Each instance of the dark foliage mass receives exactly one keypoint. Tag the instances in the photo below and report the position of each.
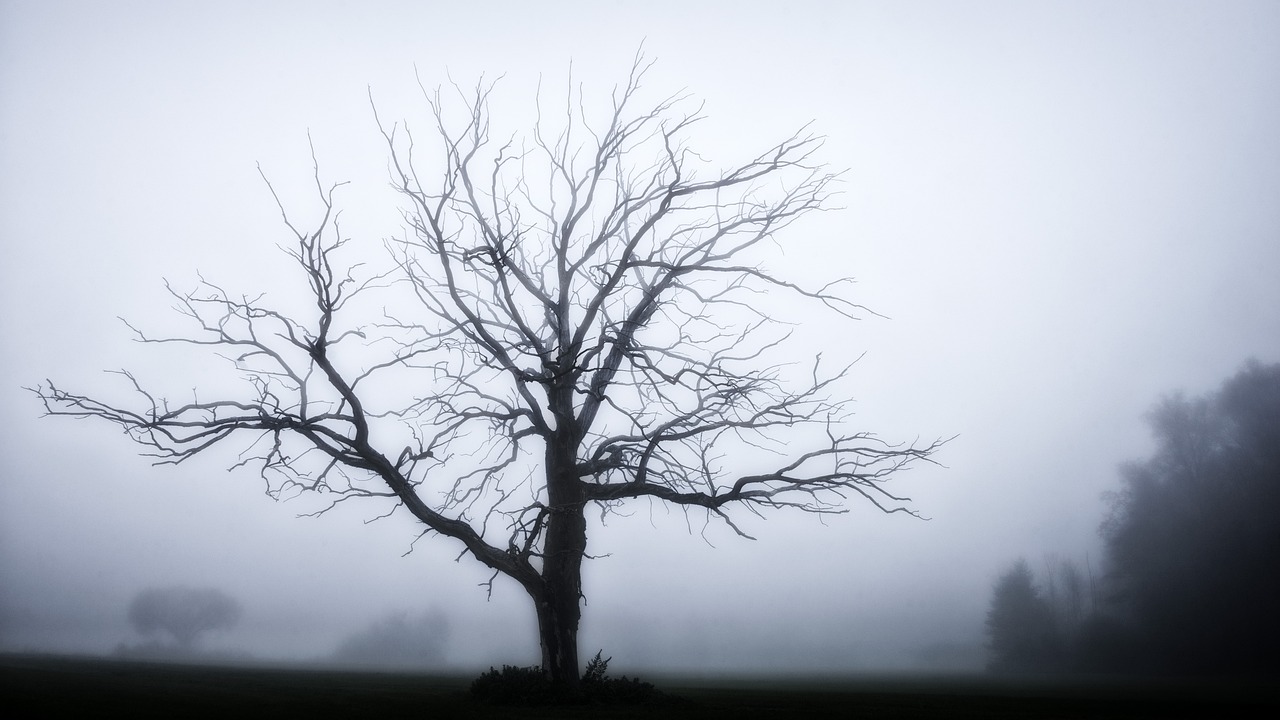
(1193, 538)
(1020, 623)
(530, 686)
(1193, 552)
(183, 614)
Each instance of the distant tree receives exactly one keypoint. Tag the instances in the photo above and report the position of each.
(1064, 588)
(1073, 590)
(1192, 538)
(399, 640)
(183, 614)
(1021, 635)
(571, 320)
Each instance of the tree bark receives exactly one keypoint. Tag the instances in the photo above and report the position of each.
(558, 614)
(559, 606)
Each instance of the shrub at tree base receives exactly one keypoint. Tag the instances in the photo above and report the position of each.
(531, 686)
(514, 686)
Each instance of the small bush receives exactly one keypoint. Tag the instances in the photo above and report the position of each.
(515, 686)
(619, 691)
(597, 669)
(597, 686)
(530, 686)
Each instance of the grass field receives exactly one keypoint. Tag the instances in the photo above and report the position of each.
(34, 686)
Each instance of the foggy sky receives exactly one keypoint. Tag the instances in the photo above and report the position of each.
(1064, 210)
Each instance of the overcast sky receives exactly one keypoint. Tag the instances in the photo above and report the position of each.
(1064, 209)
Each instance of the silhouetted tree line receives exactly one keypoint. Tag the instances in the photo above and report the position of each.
(1191, 579)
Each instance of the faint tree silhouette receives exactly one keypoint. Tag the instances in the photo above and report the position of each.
(1021, 635)
(182, 613)
(572, 320)
(399, 640)
(1073, 585)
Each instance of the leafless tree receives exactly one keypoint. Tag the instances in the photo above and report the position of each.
(572, 320)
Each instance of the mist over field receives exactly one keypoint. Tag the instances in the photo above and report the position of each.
(1056, 214)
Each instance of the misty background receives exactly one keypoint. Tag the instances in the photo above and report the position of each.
(1065, 211)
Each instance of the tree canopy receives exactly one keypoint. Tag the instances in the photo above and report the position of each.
(1192, 564)
(182, 613)
(1193, 540)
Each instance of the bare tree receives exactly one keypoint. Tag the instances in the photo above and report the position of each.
(569, 321)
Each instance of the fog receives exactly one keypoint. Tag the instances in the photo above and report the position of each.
(1062, 211)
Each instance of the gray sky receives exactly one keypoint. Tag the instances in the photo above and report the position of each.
(1066, 209)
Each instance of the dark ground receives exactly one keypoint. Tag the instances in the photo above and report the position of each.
(35, 686)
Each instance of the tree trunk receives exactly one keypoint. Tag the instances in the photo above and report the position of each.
(559, 607)
(559, 604)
